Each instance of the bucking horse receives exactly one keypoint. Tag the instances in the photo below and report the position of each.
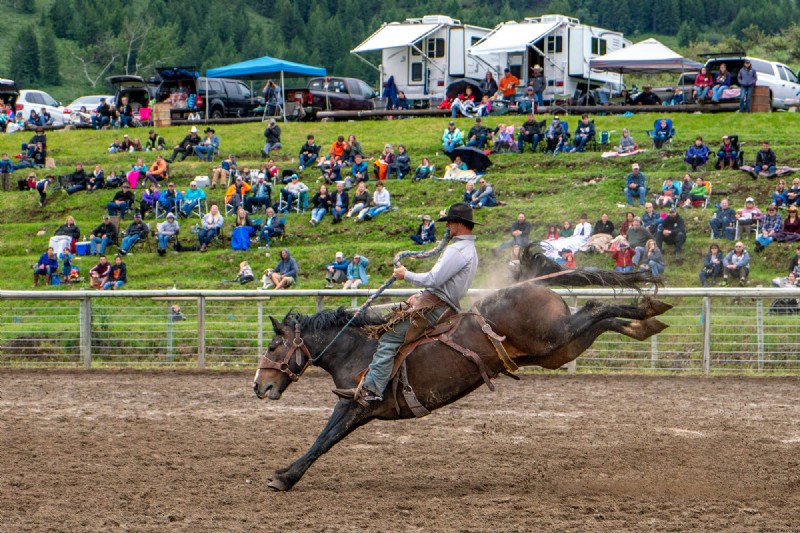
(524, 324)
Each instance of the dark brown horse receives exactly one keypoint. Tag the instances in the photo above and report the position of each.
(537, 324)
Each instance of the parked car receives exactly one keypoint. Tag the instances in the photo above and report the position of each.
(30, 99)
(89, 102)
(685, 82)
(138, 90)
(333, 94)
(9, 92)
(226, 97)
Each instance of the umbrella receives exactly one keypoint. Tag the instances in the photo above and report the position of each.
(472, 157)
(460, 86)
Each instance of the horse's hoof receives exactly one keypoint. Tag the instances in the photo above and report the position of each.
(277, 484)
(659, 307)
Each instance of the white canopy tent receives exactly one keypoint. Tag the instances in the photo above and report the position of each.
(513, 37)
(646, 57)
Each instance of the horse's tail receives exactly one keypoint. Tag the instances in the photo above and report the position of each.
(536, 266)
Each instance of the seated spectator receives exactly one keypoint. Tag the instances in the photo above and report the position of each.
(336, 271)
(452, 137)
(209, 146)
(626, 143)
(401, 164)
(245, 274)
(340, 203)
(136, 231)
(789, 282)
(136, 146)
(566, 258)
(766, 162)
(46, 266)
(155, 142)
(652, 259)
(77, 180)
(702, 84)
(625, 97)
(402, 102)
(295, 191)
(166, 231)
(793, 193)
(210, 227)
(647, 97)
(338, 147)
(794, 263)
(158, 171)
(353, 149)
(261, 195)
(790, 231)
(722, 81)
(272, 134)
(224, 171)
(469, 190)
(697, 154)
(426, 232)
(503, 139)
(234, 195)
(477, 135)
(484, 196)
(686, 187)
(651, 218)
(458, 170)
(527, 101)
(672, 230)
(273, 226)
(381, 165)
(193, 197)
(321, 203)
(737, 264)
(529, 133)
(138, 172)
(712, 265)
(554, 135)
(117, 275)
(488, 84)
(102, 115)
(186, 146)
(381, 201)
(331, 168)
(627, 223)
(96, 179)
(746, 216)
(285, 272)
(623, 257)
(727, 154)
(125, 112)
(170, 199)
(424, 170)
(677, 98)
(583, 229)
(552, 233)
(243, 230)
(126, 144)
(771, 224)
(102, 236)
(26, 184)
(583, 134)
(635, 185)
(361, 200)
(779, 195)
(604, 225)
(149, 199)
(698, 193)
(637, 237)
(724, 218)
(308, 153)
(566, 229)
(463, 104)
(71, 230)
(357, 272)
(359, 172)
(670, 193)
(99, 273)
(662, 134)
(115, 147)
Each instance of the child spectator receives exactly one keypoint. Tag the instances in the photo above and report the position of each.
(357, 272)
(712, 265)
(117, 276)
(245, 274)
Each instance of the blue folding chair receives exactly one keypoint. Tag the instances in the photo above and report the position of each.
(654, 134)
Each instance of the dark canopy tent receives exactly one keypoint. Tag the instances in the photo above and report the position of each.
(264, 68)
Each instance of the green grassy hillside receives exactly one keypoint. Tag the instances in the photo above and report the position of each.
(547, 189)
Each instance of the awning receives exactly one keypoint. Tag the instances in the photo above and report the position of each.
(513, 37)
(646, 57)
(395, 35)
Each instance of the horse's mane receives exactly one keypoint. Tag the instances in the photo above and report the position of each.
(331, 318)
(533, 263)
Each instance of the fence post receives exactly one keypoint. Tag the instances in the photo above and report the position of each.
(201, 332)
(170, 336)
(572, 366)
(320, 303)
(654, 351)
(706, 335)
(86, 332)
(260, 327)
(760, 331)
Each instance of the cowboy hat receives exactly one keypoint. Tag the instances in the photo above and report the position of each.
(460, 212)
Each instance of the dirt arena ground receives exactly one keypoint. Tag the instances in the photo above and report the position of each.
(190, 451)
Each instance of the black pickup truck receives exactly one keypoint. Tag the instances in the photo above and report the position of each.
(226, 97)
(331, 94)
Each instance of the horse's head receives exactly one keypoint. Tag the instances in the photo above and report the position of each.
(286, 359)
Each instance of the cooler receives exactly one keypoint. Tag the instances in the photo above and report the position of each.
(202, 181)
(82, 248)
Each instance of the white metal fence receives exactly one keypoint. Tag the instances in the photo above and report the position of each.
(711, 330)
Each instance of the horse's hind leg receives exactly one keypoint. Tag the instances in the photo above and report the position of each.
(346, 417)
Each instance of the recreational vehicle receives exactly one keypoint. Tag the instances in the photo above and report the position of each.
(425, 54)
(561, 45)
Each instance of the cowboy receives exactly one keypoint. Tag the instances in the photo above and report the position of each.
(445, 284)
(208, 146)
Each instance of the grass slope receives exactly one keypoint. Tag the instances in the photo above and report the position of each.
(547, 189)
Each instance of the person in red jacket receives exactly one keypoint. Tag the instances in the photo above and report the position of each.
(623, 258)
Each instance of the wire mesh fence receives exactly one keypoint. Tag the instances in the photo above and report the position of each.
(715, 330)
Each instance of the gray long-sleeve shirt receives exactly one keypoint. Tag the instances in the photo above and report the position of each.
(451, 276)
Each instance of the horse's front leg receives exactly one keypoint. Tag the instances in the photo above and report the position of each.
(347, 416)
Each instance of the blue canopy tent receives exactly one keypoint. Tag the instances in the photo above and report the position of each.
(264, 68)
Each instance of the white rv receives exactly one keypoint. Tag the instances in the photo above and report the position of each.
(425, 55)
(561, 45)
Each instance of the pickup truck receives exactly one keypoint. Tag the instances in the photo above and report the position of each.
(331, 94)
(226, 97)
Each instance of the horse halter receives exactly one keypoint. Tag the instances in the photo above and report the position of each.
(298, 345)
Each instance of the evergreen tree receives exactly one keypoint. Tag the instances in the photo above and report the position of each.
(24, 60)
(62, 13)
(51, 68)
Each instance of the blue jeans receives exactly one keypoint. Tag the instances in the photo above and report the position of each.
(449, 146)
(486, 201)
(268, 147)
(114, 284)
(745, 99)
(98, 244)
(128, 242)
(380, 369)
(478, 143)
(372, 212)
(318, 212)
(532, 138)
(656, 268)
(163, 241)
(306, 161)
(76, 188)
(641, 192)
(267, 233)
(539, 98)
(419, 240)
(764, 241)
(187, 207)
(289, 198)
(716, 92)
(624, 269)
(168, 204)
(203, 152)
(115, 209)
(580, 143)
(99, 121)
(125, 121)
(205, 235)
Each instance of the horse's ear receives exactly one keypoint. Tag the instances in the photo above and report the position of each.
(277, 327)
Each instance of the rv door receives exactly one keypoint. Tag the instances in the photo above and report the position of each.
(456, 53)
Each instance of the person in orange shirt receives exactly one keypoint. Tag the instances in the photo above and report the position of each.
(235, 194)
(338, 147)
(508, 85)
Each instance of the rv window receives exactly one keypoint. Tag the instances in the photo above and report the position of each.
(415, 48)
(555, 44)
(599, 46)
(762, 67)
(475, 40)
(416, 71)
(435, 48)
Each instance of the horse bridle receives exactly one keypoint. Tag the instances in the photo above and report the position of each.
(298, 346)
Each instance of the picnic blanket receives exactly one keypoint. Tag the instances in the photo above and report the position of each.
(779, 171)
(617, 154)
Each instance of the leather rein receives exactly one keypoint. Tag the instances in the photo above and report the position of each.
(298, 347)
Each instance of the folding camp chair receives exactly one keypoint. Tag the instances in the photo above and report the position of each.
(652, 133)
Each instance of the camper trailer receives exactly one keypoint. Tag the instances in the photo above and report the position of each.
(561, 45)
(425, 54)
